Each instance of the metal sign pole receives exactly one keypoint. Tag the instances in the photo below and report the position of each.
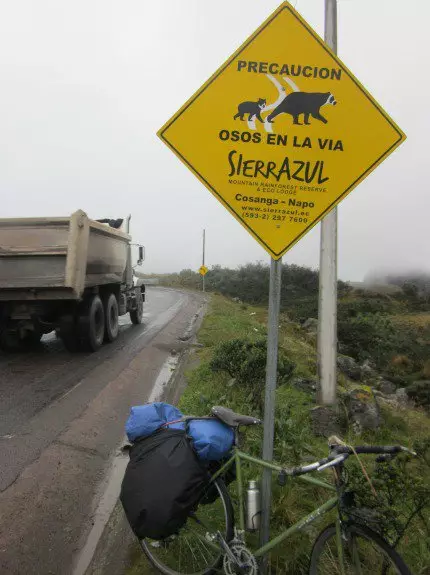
(327, 314)
(269, 401)
(203, 259)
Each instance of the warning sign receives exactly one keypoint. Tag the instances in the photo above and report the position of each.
(203, 270)
(282, 132)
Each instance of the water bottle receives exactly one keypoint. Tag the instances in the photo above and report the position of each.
(253, 506)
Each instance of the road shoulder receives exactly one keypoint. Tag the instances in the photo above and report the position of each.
(116, 548)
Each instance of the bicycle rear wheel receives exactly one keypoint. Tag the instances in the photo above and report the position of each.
(194, 549)
(364, 553)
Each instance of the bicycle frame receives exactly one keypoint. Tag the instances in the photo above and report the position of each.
(236, 459)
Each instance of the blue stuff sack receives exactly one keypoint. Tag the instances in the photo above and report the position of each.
(144, 420)
(212, 440)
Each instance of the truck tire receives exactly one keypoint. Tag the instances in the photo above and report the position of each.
(111, 317)
(136, 315)
(92, 324)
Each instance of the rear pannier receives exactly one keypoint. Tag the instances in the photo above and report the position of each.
(162, 485)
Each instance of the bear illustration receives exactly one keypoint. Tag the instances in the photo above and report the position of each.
(306, 103)
(252, 108)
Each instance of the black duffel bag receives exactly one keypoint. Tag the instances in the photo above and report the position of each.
(162, 484)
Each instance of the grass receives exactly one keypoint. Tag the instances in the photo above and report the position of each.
(294, 442)
(421, 320)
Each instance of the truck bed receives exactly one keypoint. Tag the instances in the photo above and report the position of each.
(57, 258)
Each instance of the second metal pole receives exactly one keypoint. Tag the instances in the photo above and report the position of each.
(327, 308)
(203, 259)
(269, 401)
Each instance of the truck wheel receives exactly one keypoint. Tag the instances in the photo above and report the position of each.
(92, 324)
(111, 318)
(136, 315)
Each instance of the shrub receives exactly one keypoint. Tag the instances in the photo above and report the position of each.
(419, 391)
(426, 370)
(397, 350)
(367, 336)
(245, 361)
(250, 283)
(403, 494)
(366, 303)
(401, 361)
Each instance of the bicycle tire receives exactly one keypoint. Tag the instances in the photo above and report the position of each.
(227, 530)
(365, 533)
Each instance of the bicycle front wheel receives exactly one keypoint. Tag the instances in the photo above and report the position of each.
(194, 550)
(361, 552)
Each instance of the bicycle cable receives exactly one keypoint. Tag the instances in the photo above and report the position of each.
(334, 440)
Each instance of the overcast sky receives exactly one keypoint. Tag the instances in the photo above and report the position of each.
(87, 83)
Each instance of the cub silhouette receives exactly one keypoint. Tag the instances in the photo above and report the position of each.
(252, 108)
(306, 103)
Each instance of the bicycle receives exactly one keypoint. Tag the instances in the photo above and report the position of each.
(209, 543)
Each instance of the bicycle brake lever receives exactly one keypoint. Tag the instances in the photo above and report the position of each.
(390, 456)
(407, 450)
(333, 462)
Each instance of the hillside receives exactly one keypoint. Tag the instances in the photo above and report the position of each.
(388, 328)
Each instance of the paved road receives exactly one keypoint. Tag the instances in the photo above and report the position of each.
(61, 419)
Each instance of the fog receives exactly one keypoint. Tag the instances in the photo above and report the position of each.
(87, 83)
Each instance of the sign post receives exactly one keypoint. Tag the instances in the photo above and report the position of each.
(327, 305)
(280, 134)
(269, 399)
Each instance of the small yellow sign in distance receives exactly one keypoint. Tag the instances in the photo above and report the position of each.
(282, 132)
(203, 270)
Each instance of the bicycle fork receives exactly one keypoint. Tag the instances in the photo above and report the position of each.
(343, 537)
(340, 537)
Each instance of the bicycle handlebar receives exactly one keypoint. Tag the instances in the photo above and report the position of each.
(332, 463)
(371, 449)
(339, 453)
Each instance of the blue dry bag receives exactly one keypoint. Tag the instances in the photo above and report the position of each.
(212, 440)
(144, 420)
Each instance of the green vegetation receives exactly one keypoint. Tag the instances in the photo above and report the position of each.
(403, 485)
(250, 284)
(388, 331)
(245, 362)
(391, 329)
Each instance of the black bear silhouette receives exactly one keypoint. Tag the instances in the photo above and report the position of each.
(252, 108)
(306, 103)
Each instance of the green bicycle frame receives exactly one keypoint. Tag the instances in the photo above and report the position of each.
(236, 459)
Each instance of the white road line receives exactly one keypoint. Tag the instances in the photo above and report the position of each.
(104, 510)
(163, 378)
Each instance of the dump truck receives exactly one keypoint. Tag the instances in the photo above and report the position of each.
(73, 275)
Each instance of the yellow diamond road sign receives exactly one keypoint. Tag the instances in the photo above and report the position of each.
(282, 132)
(203, 270)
